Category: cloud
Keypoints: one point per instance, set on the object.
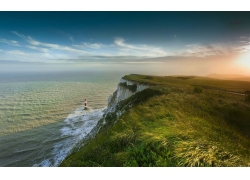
(242, 45)
(1, 50)
(16, 52)
(95, 45)
(120, 51)
(121, 42)
(45, 50)
(108, 57)
(85, 45)
(121, 59)
(144, 62)
(245, 42)
(140, 49)
(119, 48)
(71, 38)
(243, 48)
(48, 45)
(17, 62)
(243, 37)
(20, 35)
(9, 42)
(198, 50)
(32, 41)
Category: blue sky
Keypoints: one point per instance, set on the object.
(121, 37)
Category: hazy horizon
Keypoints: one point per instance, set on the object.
(159, 43)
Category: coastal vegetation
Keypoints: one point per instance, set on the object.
(132, 88)
(178, 121)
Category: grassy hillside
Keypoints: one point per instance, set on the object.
(228, 76)
(174, 124)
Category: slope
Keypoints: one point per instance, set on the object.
(171, 124)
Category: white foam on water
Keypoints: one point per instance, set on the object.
(77, 125)
(44, 163)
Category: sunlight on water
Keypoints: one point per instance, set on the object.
(28, 105)
(41, 121)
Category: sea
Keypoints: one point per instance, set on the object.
(42, 115)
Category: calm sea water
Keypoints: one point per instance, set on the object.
(42, 116)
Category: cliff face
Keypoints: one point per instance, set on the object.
(125, 89)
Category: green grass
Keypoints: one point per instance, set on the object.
(170, 125)
(197, 89)
(208, 83)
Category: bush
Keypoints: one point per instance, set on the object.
(197, 89)
(247, 98)
(123, 84)
(132, 88)
(148, 77)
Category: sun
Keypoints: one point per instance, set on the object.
(244, 60)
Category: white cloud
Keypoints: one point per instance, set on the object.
(48, 45)
(32, 41)
(94, 46)
(20, 35)
(85, 45)
(45, 50)
(1, 50)
(9, 42)
(121, 42)
(122, 50)
(34, 56)
(144, 50)
(243, 48)
(244, 45)
(16, 52)
(198, 50)
(120, 47)
(243, 41)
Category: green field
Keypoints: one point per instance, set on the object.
(178, 121)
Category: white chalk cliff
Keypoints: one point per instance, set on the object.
(123, 93)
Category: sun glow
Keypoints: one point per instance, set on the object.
(244, 60)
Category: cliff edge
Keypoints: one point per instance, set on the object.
(125, 89)
(164, 121)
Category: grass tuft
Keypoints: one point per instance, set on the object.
(197, 89)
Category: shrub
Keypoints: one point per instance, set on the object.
(123, 84)
(132, 88)
(247, 98)
(148, 77)
(197, 89)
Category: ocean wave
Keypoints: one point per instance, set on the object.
(76, 126)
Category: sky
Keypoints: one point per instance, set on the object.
(163, 42)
